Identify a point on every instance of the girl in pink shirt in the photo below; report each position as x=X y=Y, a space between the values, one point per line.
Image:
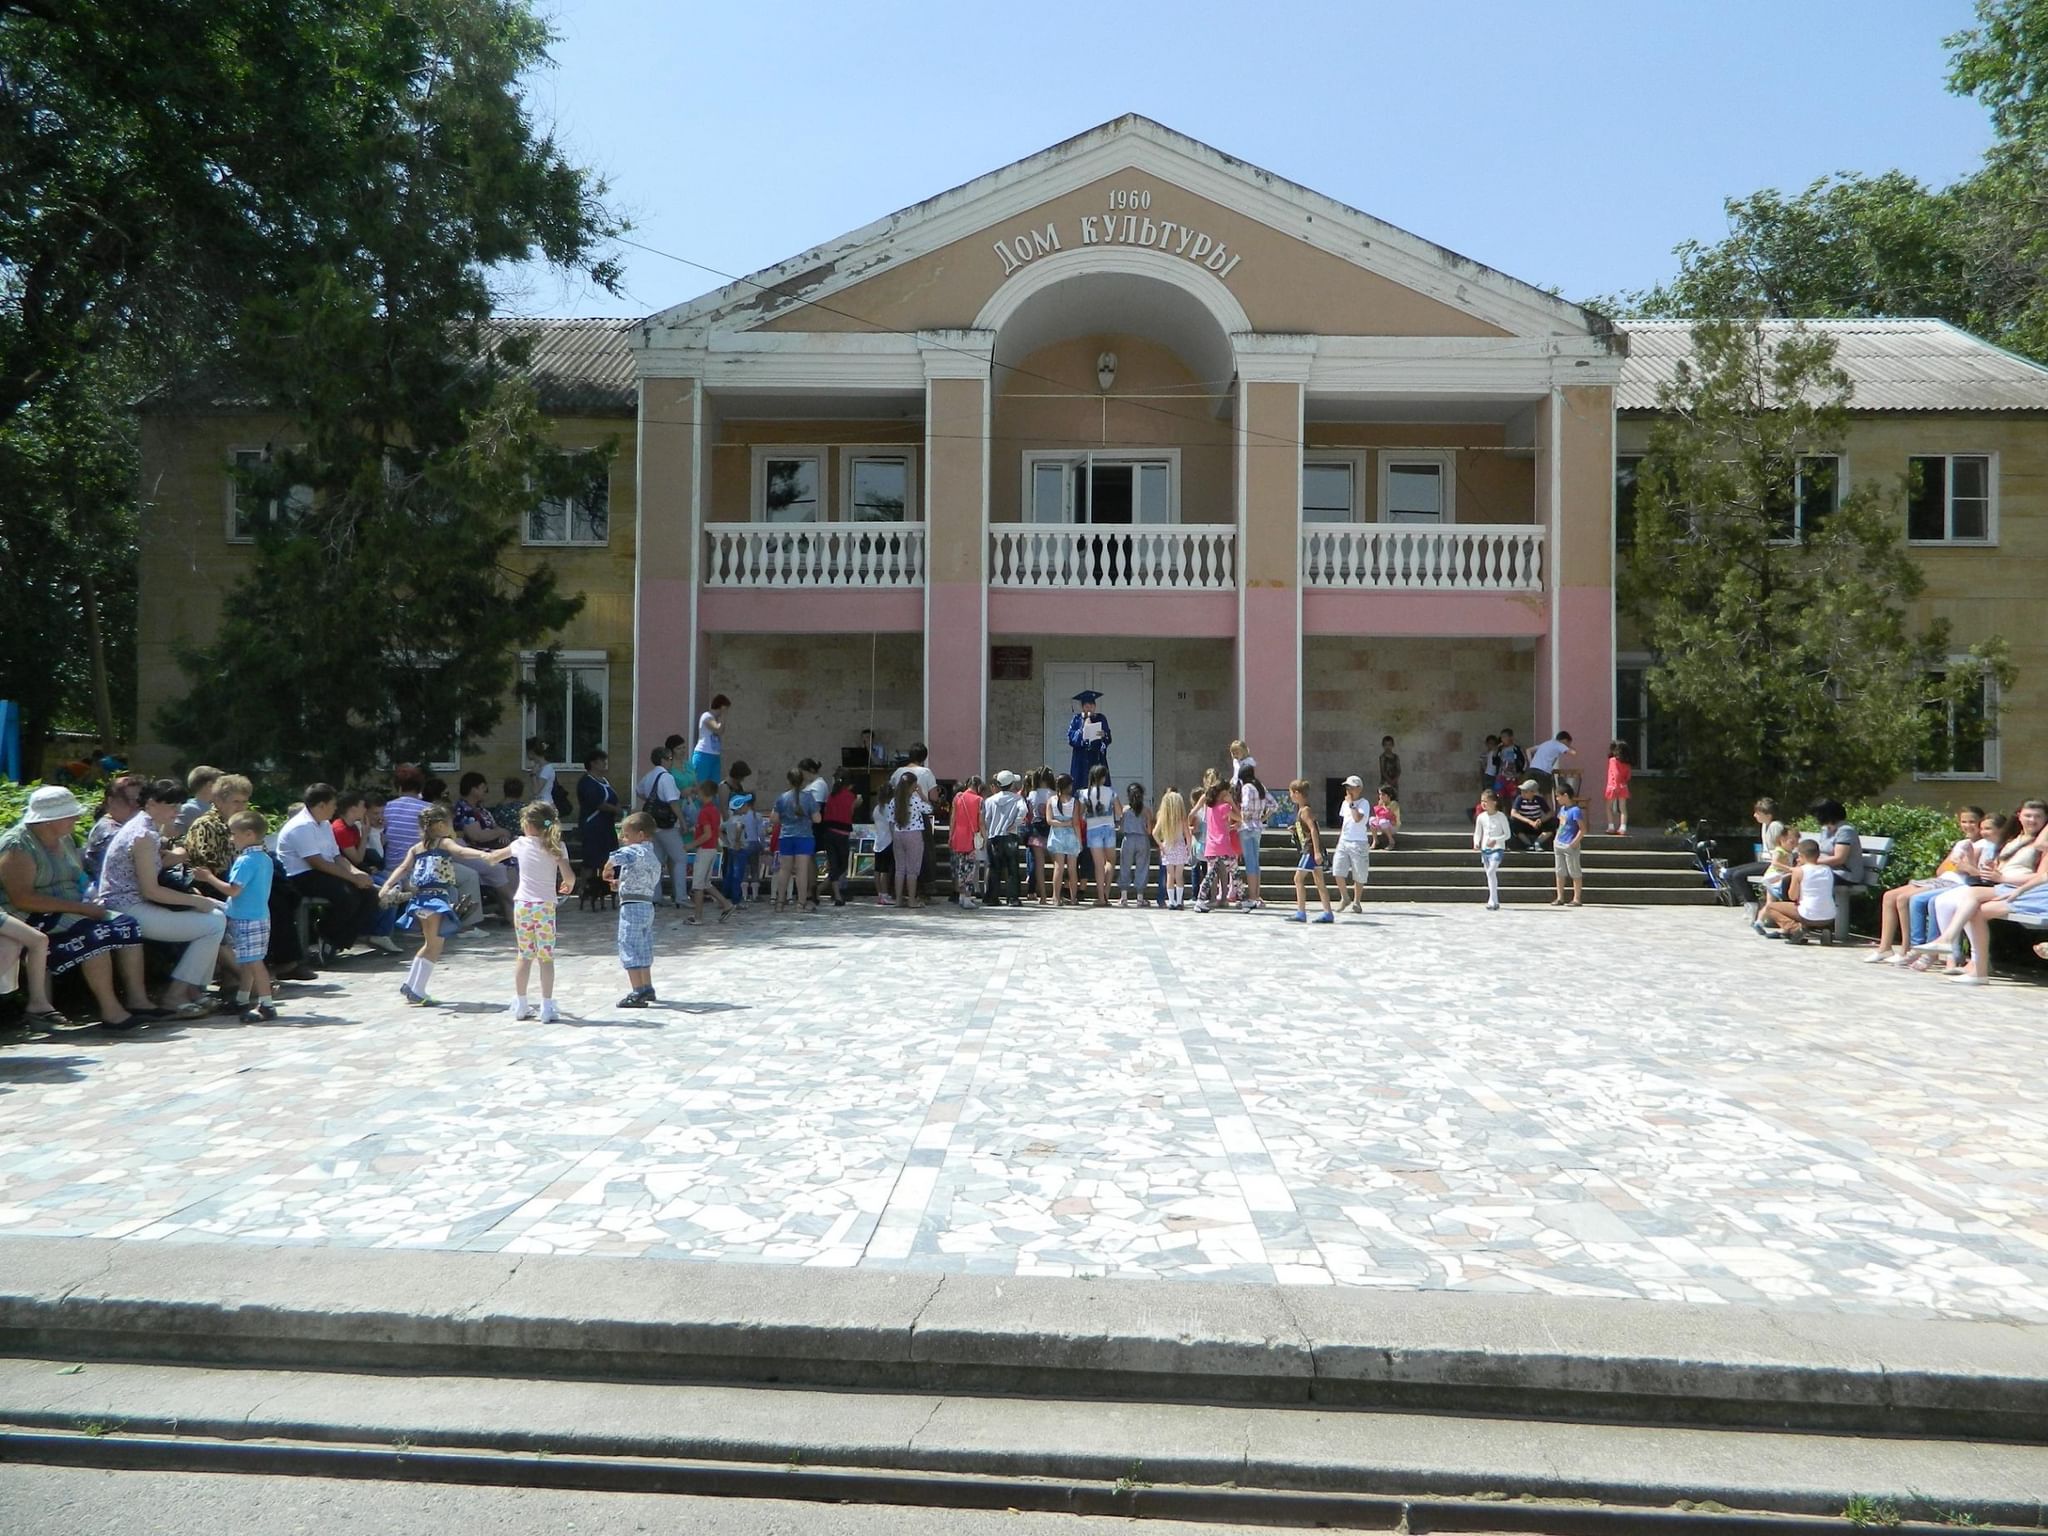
x=544 y=875
x=1221 y=849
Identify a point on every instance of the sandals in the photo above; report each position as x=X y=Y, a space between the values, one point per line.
x=47 y=1018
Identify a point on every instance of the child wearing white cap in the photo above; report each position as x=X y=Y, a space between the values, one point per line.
x=1352 y=865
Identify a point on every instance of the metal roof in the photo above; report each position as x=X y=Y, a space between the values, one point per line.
x=1894 y=365
x=578 y=366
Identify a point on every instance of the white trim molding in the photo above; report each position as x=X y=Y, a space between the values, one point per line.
x=1948 y=458
x=1134 y=145
x=1050 y=271
x=852 y=453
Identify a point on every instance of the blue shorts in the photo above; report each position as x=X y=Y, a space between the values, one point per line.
x=1102 y=837
x=1307 y=861
x=1492 y=855
x=704 y=767
x=636 y=935
x=798 y=848
x=1063 y=842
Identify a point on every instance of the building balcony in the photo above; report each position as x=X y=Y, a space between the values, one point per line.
x=861 y=556
x=1065 y=557
x=1414 y=557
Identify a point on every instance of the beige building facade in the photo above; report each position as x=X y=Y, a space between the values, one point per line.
x=1131 y=415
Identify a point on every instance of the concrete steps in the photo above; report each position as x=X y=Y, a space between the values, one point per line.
x=1275 y=1405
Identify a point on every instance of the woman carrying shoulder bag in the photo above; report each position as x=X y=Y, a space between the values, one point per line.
x=659 y=798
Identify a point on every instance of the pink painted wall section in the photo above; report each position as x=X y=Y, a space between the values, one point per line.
x=1185 y=615
x=955 y=661
x=1447 y=614
x=1271 y=707
x=1585 y=671
x=662 y=651
x=822 y=612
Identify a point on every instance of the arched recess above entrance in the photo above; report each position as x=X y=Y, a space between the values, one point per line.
x=1118 y=290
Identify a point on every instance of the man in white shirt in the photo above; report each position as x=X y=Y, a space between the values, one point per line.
x=1550 y=757
x=314 y=867
x=1353 y=862
x=927 y=781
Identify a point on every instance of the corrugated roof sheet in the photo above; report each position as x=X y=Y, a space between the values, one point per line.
x=578 y=368
x=578 y=365
x=1895 y=365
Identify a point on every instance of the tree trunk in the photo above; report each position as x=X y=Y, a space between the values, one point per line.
x=102 y=696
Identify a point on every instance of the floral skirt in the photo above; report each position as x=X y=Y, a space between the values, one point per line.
x=75 y=940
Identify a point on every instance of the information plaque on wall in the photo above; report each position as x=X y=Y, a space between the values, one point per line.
x=1009 y=663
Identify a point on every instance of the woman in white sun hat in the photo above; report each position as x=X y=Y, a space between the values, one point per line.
x=43 y=883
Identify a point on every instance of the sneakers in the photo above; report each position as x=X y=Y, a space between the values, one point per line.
x=251 y=1016
x=1493 y=906
x=520 y=1009
x=1327 y=917
x=549 y=1014
x=383 y=941
x=1297 y=917
x=1201 y=906
x=418 y=999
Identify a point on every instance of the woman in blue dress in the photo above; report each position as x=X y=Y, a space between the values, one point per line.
x=597 y=819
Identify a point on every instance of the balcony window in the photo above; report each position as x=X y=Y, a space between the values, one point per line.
x=1062 y=488
x=1329 y=491
x=1415 y=488
x=789 y=486
x=1950 y=499
x=878 y=488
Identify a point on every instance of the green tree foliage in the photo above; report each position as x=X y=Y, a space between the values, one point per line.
x=1974 y=253
x=67 y=543
x=1775 y=601
x=382 y=620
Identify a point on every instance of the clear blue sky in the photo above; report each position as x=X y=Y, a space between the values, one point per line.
x=1570 y=143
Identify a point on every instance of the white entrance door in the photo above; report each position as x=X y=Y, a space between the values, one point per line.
x=1126 y=689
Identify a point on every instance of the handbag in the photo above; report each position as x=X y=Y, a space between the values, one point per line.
x=662 y=811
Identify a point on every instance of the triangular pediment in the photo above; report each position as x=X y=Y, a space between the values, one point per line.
x=1299 y=262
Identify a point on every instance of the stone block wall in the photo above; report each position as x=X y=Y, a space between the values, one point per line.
x=801 y=696
x=1439 y=699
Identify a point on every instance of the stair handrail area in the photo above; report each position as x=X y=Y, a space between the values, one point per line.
x=1417 y=557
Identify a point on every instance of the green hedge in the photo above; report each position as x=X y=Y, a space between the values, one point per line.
x=1921 y=836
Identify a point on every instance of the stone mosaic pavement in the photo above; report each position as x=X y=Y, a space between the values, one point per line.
x=1642 y=1102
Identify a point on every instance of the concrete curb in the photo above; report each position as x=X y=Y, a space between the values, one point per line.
x=1291 y=1450
x=1442 y=1351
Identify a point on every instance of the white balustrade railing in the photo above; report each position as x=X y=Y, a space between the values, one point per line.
x=1189 y=557
x=814 y=555
x=1423 y=557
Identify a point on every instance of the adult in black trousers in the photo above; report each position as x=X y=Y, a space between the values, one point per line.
x=315 y=869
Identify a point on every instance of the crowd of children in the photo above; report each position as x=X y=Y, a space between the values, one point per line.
x=429 y=860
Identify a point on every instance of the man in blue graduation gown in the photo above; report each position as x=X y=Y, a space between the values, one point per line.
x=1088 y=735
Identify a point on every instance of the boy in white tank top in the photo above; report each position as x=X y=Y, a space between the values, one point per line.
x=1809 y=896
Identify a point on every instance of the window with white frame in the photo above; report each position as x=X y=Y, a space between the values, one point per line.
x=1635 y=713
x=1950 y=499
x=1962 y=736
x=248 y=512
x=789 y=485
x=878 y=488
x=1415 y=487
x=1329 y=490
x=583 y=516
x=1097 y=488
x=569 y=702
x=1807 y=497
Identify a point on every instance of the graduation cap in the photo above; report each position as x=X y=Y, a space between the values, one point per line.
x=1087 y=696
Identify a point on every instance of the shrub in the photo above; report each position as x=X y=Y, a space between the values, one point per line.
x=1921 y=837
